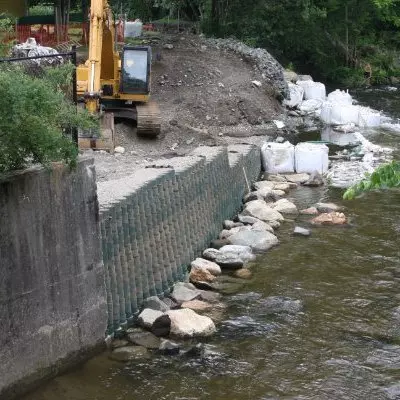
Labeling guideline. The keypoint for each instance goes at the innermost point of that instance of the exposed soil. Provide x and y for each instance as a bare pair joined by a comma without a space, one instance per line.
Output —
206,97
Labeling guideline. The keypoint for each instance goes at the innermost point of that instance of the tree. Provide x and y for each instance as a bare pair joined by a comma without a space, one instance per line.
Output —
37,116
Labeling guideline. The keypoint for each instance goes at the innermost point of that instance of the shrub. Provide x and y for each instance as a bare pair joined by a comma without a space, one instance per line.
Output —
35,115
384,177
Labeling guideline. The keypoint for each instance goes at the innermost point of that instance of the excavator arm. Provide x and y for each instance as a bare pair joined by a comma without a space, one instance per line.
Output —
101,43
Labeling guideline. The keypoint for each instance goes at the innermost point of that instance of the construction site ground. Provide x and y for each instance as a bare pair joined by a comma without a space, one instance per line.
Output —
206,97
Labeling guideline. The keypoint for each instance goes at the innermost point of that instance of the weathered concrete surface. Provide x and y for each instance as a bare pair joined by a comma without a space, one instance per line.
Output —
52,295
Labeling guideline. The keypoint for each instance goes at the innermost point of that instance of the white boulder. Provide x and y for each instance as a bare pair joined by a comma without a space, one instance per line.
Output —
185,323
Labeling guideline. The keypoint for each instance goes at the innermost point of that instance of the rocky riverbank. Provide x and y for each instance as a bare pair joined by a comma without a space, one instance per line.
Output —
193,309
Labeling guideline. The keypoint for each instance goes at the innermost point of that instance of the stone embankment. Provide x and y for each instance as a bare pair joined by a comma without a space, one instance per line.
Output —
195,306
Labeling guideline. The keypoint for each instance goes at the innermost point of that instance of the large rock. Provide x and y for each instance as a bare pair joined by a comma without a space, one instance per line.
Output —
201,263
259,209
200,275
309,211
297,178
278,193
229,232
119,343
209,297
197,305
258,241
314,180
285,206
224,260
155,303
170,303
184,292
218,243
256,195
266,194
228,224
332,218
147,317
144,339
161,326
327,207
244,252
247,220
262,226
243,273
185,323
290,76
299,231
284,186
274,177
263,185
129,353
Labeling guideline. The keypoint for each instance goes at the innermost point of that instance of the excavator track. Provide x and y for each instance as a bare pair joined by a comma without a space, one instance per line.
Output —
148,119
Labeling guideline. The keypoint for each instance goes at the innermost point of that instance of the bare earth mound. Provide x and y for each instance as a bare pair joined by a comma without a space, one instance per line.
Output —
206,97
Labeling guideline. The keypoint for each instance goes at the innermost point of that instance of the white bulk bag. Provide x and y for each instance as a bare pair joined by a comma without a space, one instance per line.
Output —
133,29
368,117
341,97
277,158
326,110
313,90
310,157
342,114
296,95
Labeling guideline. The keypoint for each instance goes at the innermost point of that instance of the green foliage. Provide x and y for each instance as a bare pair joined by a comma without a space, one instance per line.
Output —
384,177
36,116
6,30
41,10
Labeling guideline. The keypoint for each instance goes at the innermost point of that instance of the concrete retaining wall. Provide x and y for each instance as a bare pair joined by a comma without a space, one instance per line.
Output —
155,222
52,297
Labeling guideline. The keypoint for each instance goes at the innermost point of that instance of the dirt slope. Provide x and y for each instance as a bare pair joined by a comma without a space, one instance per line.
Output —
206,96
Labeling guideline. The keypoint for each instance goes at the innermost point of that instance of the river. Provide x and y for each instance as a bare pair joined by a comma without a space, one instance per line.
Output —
344,342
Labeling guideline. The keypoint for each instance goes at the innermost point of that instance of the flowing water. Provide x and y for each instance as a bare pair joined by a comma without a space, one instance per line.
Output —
341,340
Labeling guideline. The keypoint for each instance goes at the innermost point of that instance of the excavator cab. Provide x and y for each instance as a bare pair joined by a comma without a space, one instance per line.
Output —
135,70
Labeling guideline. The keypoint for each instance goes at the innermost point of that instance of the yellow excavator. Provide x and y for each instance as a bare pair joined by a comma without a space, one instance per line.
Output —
114,85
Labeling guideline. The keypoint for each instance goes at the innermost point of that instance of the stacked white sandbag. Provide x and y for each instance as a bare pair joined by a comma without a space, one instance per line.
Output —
310,157
296,95
342,114
326,111
340,96
277,158
313,90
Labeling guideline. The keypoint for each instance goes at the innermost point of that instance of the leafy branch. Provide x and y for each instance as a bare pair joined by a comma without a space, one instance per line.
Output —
384,177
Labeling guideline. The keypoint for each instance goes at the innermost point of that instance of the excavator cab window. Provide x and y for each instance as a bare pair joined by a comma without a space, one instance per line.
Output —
135,74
